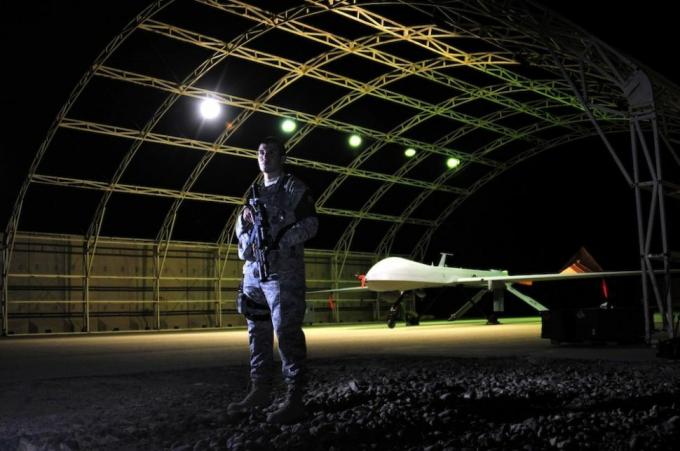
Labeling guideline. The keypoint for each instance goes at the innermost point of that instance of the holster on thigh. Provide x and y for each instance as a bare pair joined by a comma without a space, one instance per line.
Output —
249,308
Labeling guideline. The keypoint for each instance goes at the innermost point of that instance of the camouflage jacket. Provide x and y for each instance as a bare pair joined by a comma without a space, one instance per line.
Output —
291,217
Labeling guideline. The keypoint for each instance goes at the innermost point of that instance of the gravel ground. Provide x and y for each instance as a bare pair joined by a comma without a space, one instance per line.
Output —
360,403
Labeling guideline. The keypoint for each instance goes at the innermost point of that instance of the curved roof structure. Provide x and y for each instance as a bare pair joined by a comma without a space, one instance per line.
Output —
482,84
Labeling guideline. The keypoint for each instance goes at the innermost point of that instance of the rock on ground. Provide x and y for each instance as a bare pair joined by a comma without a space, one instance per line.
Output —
394,402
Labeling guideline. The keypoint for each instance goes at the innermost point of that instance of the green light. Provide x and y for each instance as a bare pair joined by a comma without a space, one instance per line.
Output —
355,140
288,125
452,162
410,152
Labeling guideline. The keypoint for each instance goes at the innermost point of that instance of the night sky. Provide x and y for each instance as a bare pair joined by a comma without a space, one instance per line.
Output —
530,219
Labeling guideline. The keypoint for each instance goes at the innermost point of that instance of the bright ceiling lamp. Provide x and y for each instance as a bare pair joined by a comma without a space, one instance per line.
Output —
452,162
410,152
288,126
210,108
355,140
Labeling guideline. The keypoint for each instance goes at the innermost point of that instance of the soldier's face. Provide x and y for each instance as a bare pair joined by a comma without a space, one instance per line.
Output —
269,158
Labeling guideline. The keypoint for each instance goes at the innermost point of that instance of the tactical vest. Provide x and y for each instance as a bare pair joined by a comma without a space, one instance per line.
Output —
278,207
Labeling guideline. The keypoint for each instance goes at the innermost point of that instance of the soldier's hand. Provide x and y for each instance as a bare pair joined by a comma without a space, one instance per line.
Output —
247,216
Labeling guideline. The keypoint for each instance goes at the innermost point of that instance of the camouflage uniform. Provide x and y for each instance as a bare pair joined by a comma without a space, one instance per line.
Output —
292,220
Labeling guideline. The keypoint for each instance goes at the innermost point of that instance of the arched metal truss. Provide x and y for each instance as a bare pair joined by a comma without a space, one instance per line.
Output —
510,80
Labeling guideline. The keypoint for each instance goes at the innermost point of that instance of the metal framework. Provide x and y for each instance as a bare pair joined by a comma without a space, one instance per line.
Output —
512,72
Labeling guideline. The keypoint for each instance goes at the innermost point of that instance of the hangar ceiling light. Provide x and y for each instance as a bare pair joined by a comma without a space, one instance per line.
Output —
210,108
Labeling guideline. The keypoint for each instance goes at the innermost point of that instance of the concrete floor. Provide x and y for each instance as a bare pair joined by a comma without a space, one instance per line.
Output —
47,357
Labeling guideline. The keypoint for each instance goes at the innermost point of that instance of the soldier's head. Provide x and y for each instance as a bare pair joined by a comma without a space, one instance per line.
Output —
271,156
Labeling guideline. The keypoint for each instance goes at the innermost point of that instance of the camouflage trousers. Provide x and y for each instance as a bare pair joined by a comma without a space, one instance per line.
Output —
284,293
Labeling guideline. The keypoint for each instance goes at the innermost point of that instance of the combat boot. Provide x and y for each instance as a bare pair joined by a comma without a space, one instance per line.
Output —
258,396
292,410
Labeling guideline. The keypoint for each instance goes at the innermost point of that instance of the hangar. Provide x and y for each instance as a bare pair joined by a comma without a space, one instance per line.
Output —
125,218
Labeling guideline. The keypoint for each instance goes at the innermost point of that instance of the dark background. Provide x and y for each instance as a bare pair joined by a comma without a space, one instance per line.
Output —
531,219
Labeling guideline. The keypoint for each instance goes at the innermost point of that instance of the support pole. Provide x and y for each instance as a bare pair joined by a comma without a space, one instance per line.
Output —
157,287
653,233
86,287
336,284
4,270
641,235
218,287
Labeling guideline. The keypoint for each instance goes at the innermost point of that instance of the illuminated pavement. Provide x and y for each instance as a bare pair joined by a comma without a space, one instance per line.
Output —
32,358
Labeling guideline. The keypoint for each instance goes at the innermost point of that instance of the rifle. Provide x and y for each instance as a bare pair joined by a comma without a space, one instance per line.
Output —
260,235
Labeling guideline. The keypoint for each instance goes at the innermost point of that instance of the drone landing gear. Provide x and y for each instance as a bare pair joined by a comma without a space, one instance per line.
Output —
491,319
394,312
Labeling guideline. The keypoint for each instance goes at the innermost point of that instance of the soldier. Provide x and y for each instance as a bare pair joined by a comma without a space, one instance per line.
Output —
279,299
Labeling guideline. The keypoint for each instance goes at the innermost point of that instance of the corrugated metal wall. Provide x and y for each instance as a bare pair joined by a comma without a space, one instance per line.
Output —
48,291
